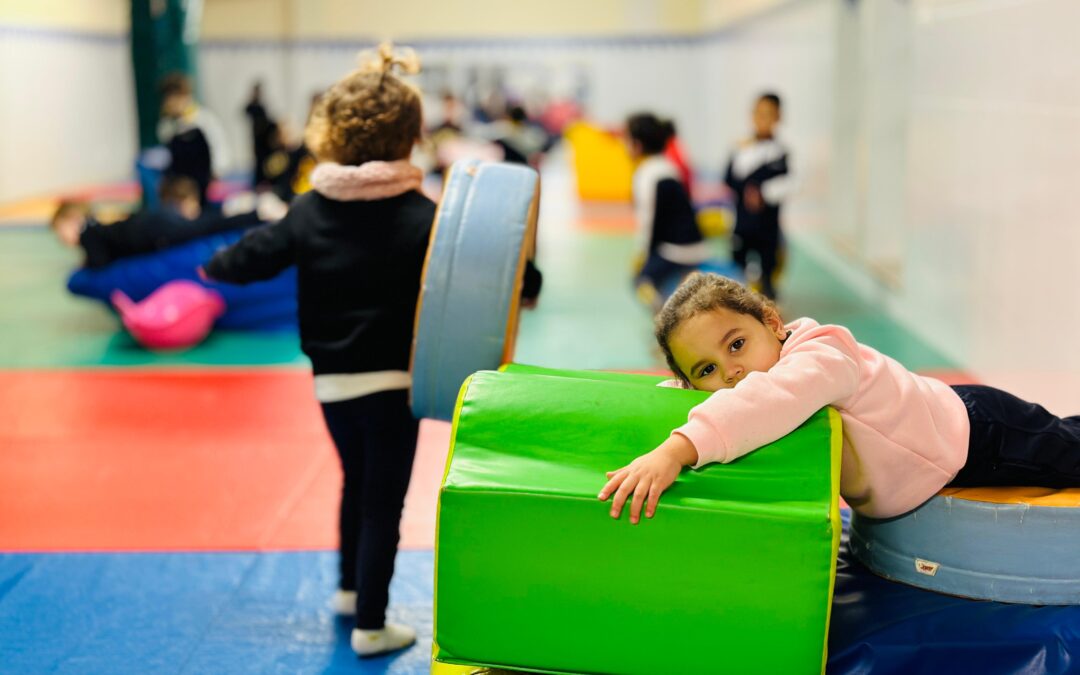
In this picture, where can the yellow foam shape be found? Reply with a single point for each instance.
(714, 221)
(601, 161)
(1035, 496)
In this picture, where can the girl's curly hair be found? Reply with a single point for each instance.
(701, 293)
(370, 114)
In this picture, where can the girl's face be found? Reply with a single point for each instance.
(717, 349)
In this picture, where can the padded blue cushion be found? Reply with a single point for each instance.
(1006, 552)
(265, 305)
(468, 312)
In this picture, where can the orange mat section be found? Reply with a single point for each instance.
(191, 460)
(1035, 496)
(607, 218)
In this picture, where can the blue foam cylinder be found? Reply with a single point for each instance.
(467, 318)
(1018, 553)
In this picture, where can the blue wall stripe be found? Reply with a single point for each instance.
(64, 35)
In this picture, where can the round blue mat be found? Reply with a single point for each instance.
(469, 300)
(1017, 553)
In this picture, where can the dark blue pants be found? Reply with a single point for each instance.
(767, 247)
(375, 437)
(1014, 442)
(664, 275)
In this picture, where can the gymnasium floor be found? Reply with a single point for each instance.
(175, 513)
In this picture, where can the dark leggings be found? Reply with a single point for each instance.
(375, 437)
(1014, 442)
(768, 251)
(664, 275)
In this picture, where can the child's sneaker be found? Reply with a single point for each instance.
(391, 637)
(344, 602)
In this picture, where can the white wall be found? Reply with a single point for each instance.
(67, 112)
(624, 74)
(789, 50)
(706, 83)
(992, 268)
(957, 139)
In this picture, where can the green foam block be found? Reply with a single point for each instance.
(734, 574)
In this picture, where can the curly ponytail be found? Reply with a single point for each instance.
(370, 114)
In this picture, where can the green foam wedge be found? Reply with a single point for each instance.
(733, 575)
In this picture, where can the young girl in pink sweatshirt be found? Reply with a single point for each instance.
(905, 436)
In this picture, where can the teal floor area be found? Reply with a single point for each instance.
(44, 326)
(587, 317)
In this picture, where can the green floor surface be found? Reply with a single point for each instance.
(587, 317)
(44, 326)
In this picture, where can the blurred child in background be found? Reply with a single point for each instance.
(178, 218)
(758, 174)
(264, 135)
(669, 242)
(192, 135)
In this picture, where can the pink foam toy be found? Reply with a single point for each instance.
(178, 315)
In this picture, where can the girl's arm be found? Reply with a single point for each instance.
(729, 176)
(261, 254)
(823, 370)
(775, 179)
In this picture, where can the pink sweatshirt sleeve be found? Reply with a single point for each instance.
(822, 369)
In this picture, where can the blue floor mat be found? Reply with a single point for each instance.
(247, 612)
(195, 613)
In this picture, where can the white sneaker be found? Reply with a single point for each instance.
(391, 637)
(344, 603)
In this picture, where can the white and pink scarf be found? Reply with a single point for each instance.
(366, 182)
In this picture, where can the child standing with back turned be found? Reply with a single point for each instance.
(358, 240)
(905, 436)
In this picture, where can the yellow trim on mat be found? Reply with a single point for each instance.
(836, 443)
(438, 517)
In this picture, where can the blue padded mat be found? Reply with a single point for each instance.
(994, 561)
(247, 612)
(264, 305)
(884, 627)
(480, 238)
(194, 613)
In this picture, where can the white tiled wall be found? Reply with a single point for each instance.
(707, 84)
(623, 75)
(67, 112)
(790, 51)
(979, 107)
(991, 272)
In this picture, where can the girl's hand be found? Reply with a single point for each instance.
(648, 476)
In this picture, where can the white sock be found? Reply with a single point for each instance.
(344, 603)
(391, 637)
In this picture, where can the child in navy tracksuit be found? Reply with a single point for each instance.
(358, 240)
(759, 176)
(670, 244)
(177, 219)
(193, 136)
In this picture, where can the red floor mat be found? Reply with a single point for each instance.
(139, 460)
